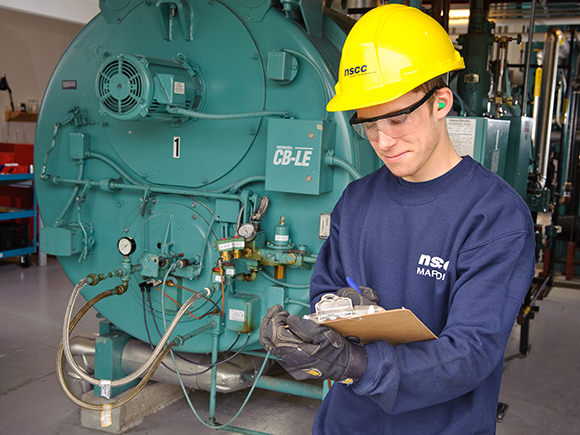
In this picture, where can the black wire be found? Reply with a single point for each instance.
(147, 328)
(235, 353)
(202, 363)
(205, 302)
(159, 332)
(145, 320)
(217, 363)
(209, 366)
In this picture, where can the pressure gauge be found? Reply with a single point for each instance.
(126, 245)
(247, 231)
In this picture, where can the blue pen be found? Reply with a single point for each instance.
(352, 284)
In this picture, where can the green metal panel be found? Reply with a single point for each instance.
(519, 155)
(282, 66)
(295, 156)
(484, 139)
(79, 145)
(60, 241)
(108, 351)
(243, 313)
(227, 210)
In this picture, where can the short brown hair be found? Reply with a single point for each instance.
(437, 82)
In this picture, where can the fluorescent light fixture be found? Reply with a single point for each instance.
(458, 14)
(458, 17)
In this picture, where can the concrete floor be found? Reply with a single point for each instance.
(542, 390)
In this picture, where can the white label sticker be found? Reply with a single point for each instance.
(106, 417)
(281, 238)
(239, 244)
(237, 315)
(179, 88)
(217, 278)
(105, 388)
(176, 147)
(225, 246)
(324, 226)
(229, 271)
(462, 135)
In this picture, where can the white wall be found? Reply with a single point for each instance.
(74, 11)
(30, 47)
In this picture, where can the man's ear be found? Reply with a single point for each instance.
(443, 102)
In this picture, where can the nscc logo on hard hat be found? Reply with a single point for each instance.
(355, 70)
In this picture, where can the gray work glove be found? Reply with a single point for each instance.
(309, 350)
(369, 296)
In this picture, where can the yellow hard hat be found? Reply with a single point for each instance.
(390, 51)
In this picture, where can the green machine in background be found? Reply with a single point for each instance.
(183, 148)
(484, 139)
(519, 154)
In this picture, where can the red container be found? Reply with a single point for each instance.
(15, 196)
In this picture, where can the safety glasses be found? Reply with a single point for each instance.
(395, 124)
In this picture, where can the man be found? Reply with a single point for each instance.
(430, 231)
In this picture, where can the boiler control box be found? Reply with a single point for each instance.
(295, 156)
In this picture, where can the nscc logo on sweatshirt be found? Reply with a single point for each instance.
(433, 267)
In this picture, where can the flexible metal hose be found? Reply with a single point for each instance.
(133, 376)
(223, 116)
(337, 161)
(124, 399)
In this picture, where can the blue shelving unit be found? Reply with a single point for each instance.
(11, 213)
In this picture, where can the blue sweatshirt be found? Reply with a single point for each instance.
(459, 252)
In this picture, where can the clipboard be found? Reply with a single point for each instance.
(393, 326)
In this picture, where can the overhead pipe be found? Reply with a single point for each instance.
(357, 8)
(546, 101)
(537, 37)
(546, 21)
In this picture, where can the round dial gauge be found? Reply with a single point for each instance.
(126, 245)
(247, 231)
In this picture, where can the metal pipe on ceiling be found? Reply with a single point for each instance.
(544, 21)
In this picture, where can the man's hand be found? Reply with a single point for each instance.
(368, 297)
(309, 350)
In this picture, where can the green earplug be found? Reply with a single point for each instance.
(441, 105)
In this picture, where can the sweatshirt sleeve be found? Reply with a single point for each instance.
(492, 280)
